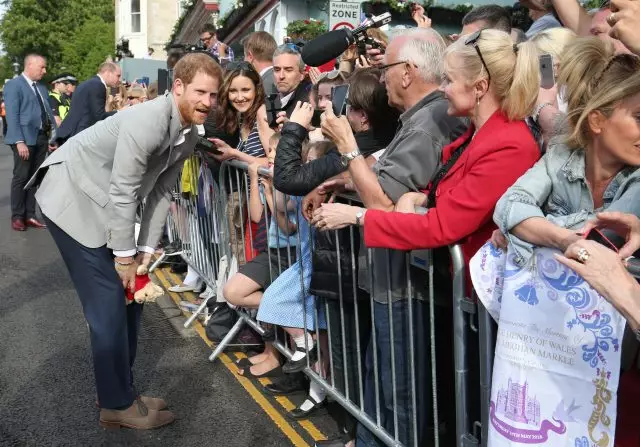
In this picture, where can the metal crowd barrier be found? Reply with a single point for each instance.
(208, 223)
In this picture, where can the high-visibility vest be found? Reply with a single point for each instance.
(64, 104)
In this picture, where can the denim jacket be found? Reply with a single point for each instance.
(556, 188)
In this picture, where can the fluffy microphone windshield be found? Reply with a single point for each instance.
(326, 47)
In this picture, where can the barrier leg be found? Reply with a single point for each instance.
(198, 311)
(486, 333)
(163, 257)
(227, 339)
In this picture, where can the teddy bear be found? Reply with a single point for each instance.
(146, 290)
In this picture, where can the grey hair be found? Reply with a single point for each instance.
(424, 47)
(108, 67)
(286, 49)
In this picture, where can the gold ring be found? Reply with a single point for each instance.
(583, 255)
(611, 19)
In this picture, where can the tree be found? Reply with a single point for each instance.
(75, 34)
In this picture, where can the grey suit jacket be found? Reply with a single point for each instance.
(94, 182)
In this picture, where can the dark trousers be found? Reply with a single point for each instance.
(422, 367)
(23, 203)
(113, 325)
(348, 348)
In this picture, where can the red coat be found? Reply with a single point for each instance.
(499, 154)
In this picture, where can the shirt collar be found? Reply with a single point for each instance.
(264, 70)
(102, 80)
(433, 96)
(29, 81)
(285, 99)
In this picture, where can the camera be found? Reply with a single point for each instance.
(122, 49)
(362, 45)
(273, 106)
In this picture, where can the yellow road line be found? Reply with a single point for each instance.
(257, 396)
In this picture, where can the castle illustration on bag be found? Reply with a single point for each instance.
(515, 404)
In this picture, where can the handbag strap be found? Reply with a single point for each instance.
(442, 172)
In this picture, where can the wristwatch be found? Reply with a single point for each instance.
(360, 216)
(345, 159)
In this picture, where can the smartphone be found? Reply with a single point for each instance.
(597, 236)
(315, 120)
(547, 72)
(273, 106)
(339, 96)
(207, 146)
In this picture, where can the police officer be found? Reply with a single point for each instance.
(58, 97)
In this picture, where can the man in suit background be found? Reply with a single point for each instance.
(90, 191)
(89, 100)
(30, 126)
(288, 70)
(259, 47)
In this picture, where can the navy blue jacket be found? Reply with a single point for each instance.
(87, 108)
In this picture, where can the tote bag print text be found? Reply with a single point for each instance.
(557, 358)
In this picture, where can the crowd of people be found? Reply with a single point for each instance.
(466, 126)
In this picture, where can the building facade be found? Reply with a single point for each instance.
(147, 24)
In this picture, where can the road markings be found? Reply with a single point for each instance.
(280, 420)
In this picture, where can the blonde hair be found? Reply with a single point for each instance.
(595, 79)
(514, 69)
(553, 41)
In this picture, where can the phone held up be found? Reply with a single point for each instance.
(339, 97)
(273, 106)
(547, 72)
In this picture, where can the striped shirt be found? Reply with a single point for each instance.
(252, 145)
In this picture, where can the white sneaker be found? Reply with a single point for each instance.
(208, 293)
(185, 288)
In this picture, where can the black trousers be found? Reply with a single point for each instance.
(113, 325)
(23, 203)
(347, 377)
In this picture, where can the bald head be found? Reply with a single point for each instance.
(35, 66)
(110, 72)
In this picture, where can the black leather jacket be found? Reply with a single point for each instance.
(293, 177)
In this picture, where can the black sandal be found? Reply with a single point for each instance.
(298, 365)
(298, 413)
(243, 362)
(246, 372)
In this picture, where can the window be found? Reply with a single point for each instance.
(135, 16)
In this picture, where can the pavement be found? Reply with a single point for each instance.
(47, 392)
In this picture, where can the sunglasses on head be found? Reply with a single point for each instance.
(239, 65)
(292, 46)
(472, 39)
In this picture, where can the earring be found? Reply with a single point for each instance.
(477, 101)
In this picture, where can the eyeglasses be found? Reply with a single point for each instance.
(473, 40)
(385, 67)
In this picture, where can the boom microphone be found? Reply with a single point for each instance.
(330, 45)
(327, 46)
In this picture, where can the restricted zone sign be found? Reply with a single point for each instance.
(344, 14)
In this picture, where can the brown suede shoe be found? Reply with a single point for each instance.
(137, 416)
(152, 403)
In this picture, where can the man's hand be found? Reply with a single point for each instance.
(375, 56)
(314, 75)
(23, 151)
(362, 62)
(127, 269)
(302, 114)
(338, 130)
(408, 202)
